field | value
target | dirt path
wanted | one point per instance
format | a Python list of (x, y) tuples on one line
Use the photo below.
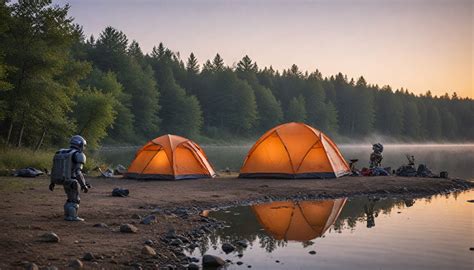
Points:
[(28, 209)]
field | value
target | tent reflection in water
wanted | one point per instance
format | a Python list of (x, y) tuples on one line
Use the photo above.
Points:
[(294, 150), (170, 157), (298, 221)]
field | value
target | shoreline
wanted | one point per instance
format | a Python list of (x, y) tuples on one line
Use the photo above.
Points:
[(28, 209)]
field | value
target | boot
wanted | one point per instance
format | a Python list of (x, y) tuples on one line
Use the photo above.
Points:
[(70, 212)]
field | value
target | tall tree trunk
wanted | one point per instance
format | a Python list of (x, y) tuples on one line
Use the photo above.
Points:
[(10, 129), (40, 142), (20, 135)]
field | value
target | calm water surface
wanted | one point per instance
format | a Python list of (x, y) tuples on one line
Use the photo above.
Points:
[(358, 233), (458, 160)]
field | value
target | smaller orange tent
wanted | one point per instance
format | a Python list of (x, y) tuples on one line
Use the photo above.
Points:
[(170, 157), (298, 221), (294, 150)]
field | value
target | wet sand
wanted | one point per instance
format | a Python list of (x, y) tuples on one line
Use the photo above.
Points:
[(28, 209)]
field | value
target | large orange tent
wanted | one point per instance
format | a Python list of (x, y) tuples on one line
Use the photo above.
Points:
[(294, 150), (170, 157), (298, 221)]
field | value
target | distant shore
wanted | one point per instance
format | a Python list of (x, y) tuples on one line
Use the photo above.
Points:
[(28, 209)]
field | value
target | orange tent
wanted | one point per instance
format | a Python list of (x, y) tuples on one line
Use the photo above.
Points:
[(170, 157), (299, 221), (294, 150)]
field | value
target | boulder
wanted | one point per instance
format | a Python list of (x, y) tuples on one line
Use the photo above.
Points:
[(212, 261), (128, 228)]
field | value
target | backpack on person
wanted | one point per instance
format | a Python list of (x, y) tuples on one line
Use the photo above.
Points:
[(62, 166)]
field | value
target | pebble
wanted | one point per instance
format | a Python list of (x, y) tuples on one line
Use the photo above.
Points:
[(242, 243), (239, 263), (76, 264), (149, 242), (50, 237), (312, 252), (128, 228), (88, 257), (212, 261), (136, 216), (227, 248), (148, 220), (147, 250), (193, 266), (31, 266)]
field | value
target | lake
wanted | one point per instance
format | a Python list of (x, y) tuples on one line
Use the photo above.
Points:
[(436, 232), (457, 159)]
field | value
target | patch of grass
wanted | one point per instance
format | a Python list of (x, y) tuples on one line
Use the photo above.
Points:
[(17, 158)]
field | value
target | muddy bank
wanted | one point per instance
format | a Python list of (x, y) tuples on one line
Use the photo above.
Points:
[(28, 210)]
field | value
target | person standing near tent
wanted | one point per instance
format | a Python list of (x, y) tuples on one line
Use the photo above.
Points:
[(67, 171)]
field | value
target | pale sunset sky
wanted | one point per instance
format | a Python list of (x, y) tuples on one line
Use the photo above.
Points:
[(420, 45)]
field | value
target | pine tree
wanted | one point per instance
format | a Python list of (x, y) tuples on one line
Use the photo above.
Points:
[(296, 110), (192, 65)]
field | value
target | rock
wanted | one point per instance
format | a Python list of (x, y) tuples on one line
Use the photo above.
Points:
[(212, 261), (31, 266), (176, 242), (88, 257), (170, 234), (149, 242), (277, 261), (50, 237), (148, 220), (242, 243), (312, 252), (240, 255), (128, 228), (193, 266), (147, 250), (227, 248), (249, 266), (76, 264), (100, 225), (136, 216), (239, 263)]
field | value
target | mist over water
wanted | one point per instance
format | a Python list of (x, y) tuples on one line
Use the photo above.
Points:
[(456, 159)]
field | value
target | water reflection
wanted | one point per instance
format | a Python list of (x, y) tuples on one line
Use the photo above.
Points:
[(298, 221)]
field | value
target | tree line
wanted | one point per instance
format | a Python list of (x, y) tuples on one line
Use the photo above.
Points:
[(55, 82)]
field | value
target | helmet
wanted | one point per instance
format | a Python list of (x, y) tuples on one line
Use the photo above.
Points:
[(78, 142)]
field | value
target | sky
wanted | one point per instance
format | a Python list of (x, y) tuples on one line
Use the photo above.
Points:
[(419, 45)]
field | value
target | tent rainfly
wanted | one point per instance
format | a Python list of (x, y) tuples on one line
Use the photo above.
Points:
[(294, 150), (170, 157)]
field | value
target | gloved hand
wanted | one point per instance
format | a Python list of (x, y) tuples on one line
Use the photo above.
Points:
[(84, 189), (51, 186)]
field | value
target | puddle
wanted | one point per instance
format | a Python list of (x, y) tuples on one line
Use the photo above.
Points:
[(356, 233)]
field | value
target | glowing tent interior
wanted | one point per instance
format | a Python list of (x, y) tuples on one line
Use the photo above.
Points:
[(294, 150), (170, 157)]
